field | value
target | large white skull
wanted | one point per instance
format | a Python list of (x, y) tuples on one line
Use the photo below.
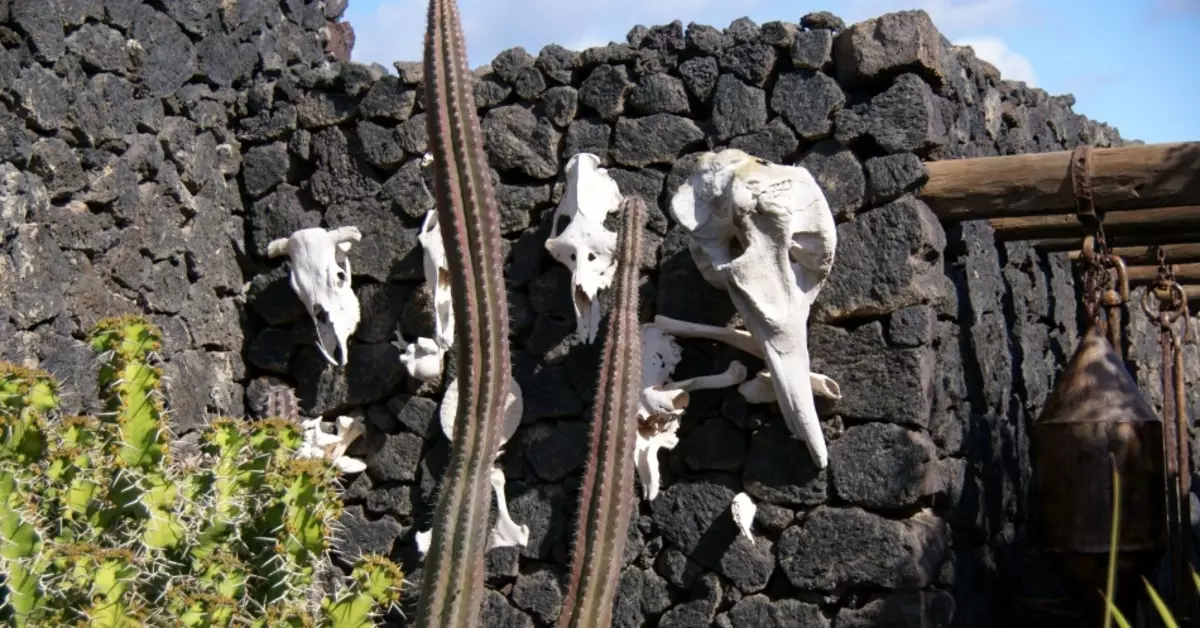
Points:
[(320, 276), (579, 240), (764, 233), (506, 533)]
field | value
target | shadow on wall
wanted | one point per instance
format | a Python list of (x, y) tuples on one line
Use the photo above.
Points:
[(152, 176)]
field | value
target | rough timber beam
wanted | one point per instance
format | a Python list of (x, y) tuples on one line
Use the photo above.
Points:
[(1125, 242), (1126, 178), (1142, 222), (1148, 255), (1186, 274)]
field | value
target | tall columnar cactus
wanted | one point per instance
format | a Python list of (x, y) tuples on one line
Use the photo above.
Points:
[(607, 499), (452, 586), (99, 527)]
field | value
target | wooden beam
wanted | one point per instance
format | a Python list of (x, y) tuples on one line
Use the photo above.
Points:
[(1130, 177), (1148, 255), (1134, 222), (1126, 241), (1184, 274)]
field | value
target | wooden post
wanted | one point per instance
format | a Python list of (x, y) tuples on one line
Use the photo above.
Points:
[(1148, 255), (1123, 241), (1125, 178), (1174, 220)]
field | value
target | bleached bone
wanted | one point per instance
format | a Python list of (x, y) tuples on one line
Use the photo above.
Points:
[(764, 233), (437, 275), (422, 359), (583, 244), (506, 533), (760, 389), (320, 444), (743, 514), (423, 539), (320, 276), (662, 401)]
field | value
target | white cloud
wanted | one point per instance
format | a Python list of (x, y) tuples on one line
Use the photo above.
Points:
[(1013, 65)]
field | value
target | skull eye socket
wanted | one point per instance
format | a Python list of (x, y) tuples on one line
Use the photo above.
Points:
[(591, 257), (341, 275), (572, 257)]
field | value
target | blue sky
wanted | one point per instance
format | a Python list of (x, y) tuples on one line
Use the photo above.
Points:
[(1132, 63)]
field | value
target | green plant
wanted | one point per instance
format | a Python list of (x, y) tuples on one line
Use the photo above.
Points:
[(1111, 612), (607, 496), (469, 219), (100, 527)]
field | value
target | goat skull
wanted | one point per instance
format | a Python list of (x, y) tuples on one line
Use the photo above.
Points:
[(320, 276), (764, 233), (584, 244)]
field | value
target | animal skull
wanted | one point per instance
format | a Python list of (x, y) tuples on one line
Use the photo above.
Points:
[(662, 401), (437, 275), (506, 533), (320, 276), (583, 244), (423, 358), (764, 233)]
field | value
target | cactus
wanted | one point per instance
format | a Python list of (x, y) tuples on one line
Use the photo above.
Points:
[(607, 496), (99, 526), (452, 582)]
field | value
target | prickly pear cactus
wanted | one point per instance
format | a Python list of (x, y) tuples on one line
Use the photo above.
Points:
[(98, 527)]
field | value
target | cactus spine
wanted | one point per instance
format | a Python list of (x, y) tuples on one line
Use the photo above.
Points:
[(99, 527), (607, 496), (452, 583)]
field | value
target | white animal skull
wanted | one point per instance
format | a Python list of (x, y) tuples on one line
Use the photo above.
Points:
[(506, 533), (663, 401), (764, 233), (437, 275), (583, 244), (320, 276)]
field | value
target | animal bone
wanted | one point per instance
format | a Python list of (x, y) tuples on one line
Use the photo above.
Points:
[(743, 514), (437, 275), (760, 389), (506, 533), (663, 401), (321, 444), (422, 359), (583, 244), (320, 276), (764, 233)]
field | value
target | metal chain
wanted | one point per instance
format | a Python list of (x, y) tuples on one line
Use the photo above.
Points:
[(1096, 254)]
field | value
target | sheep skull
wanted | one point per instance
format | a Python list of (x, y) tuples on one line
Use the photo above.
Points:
[(764, 233), (320, 276), (583, 244)]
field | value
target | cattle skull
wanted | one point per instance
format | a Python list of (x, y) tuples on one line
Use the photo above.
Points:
[(320, 444), (580, 241), (320, 276), (764, 233)]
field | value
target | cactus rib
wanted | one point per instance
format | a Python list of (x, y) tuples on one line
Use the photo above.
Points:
[(468, 216), (606, 497)]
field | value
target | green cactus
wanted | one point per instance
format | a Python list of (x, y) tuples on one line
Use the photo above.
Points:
[(452, 582), (606, 499), (99, 526)]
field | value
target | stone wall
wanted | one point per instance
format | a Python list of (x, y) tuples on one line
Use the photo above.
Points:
[(148, 156)]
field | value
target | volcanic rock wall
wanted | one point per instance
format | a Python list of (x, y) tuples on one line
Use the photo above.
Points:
[(149, 155)]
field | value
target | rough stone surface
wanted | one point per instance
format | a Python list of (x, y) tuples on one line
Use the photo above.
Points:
[(149, 151)]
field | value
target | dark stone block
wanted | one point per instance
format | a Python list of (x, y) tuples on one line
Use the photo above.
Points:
[(808, 101), (883, 466), (779, 470), (657, 139), (738, 108), (605, 89)]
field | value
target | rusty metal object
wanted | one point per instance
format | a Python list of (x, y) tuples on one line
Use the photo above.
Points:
[(1096, 410), (1172, 307)]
